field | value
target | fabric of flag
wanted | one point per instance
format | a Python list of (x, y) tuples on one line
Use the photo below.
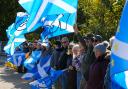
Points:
[(18, 58), (31, 62), (38, 69), (119, 57), (9, 59), (9, 31), (59, 24), (48, 81), (42, 83), (37, 11), (16, 40), (13, 43), (27, 76), (44, 62), (27, 4), (21, 24), (44, 38), (42, 8)]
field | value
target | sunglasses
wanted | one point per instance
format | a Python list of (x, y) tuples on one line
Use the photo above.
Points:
[(95, 40)]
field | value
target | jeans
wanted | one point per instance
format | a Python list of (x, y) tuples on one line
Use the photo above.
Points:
[(64, 80)]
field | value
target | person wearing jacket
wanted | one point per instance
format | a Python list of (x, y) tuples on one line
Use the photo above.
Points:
[(59, 62), (71, 73), (87, 43), (97, 70), (57, 52)]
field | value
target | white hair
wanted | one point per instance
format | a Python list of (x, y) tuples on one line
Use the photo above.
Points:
[(76, 46)]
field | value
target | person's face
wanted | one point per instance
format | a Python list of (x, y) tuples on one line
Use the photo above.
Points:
[(81, 49), (65, 43), (96, 42), (98, 53), (89, 42), (75, 51), (38, 46), (34, 45), (70, 50)]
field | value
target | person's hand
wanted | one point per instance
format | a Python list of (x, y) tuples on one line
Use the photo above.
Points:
[(70, 68), (75, 29), (55, 67)]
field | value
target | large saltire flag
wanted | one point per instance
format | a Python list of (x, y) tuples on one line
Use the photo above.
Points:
[(47, 81), (40, 71), (38, 10), (15, 41), (119, 57)]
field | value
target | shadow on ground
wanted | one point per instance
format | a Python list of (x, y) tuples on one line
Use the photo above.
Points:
[(9, 79)]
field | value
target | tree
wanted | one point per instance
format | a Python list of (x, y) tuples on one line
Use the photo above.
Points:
[(99, 16), (8, 10)]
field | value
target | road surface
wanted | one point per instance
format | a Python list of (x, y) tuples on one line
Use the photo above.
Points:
[(10, 79)]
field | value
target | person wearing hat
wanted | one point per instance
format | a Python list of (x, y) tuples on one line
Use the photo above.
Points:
[(97, 69), (97, 39), (59, 61), (86, 43)]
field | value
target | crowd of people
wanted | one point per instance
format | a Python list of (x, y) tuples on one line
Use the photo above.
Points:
[(87, 62)]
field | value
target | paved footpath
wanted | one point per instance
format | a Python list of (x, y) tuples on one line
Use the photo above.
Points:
[(11, 80)]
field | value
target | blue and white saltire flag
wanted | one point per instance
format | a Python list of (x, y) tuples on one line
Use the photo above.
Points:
[(42, 8), (9, 31), (44, 38), (48, 81), (119, 57), (28, 76), (38, 11), (31, 62), (40, 72), (42, 83), (13, 43), (18, 58), (44, 62)]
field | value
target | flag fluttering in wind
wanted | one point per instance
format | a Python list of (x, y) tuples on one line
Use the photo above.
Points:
[(13, 43), (31, 62), (42, 8), (119, 61), (18, 58), (39, 72), (47, 81), (56, 16)]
